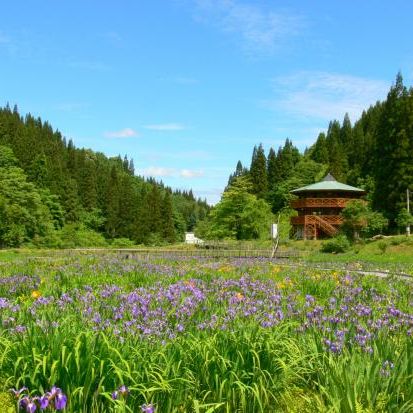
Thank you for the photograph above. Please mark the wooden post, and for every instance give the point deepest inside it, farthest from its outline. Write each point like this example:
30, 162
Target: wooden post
305, 228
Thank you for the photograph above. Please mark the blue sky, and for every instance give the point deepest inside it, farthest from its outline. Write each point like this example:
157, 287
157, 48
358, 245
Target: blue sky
187, 87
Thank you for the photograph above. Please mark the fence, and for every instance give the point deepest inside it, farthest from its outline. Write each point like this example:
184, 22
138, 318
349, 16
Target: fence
198, 253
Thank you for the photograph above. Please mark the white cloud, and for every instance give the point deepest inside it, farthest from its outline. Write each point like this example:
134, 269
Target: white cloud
157, 171
166, 127
123, 133
188, 173
212, 195
260, 29
325, 96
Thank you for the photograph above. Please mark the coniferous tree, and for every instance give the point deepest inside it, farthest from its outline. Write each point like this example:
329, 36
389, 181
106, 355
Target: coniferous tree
142, 217
131, 167
319, 152
272, 169
88, 184
154, 206
338, 164
258, 172
168, 229
288, 157
239, 171
112, 204
346, 132
39, 171
393, 152
127, 198
70, 201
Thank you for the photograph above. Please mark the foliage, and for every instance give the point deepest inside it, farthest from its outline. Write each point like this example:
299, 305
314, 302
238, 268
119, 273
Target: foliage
382, 246
79, 186
338, 244
23, 215
404, 219
258, 172
359, 219
240, 214
395, 146
74, 235
122, 243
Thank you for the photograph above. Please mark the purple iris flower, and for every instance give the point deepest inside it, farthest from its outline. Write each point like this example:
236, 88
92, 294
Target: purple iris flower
44, 401
148, 408
28, 404
17, 393
24, 401
54, 391
123, 390
60, 401
31, 407
115, 395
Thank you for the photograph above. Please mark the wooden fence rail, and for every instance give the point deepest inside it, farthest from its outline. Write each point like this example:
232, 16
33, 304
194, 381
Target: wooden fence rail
196, 253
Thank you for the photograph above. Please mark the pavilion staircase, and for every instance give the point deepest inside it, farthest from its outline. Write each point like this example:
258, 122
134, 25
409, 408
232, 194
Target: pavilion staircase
315, 221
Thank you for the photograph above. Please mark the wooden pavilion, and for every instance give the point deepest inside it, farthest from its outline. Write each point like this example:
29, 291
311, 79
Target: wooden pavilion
319, 206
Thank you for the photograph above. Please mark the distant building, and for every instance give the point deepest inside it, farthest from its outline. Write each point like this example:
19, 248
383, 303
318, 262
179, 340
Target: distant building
319, 206
190, 238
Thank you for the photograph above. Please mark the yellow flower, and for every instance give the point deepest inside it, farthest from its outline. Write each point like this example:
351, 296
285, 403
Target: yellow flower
276, 269
36, 294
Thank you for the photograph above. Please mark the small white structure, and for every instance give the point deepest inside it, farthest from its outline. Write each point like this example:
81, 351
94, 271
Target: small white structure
274, 231
190, 238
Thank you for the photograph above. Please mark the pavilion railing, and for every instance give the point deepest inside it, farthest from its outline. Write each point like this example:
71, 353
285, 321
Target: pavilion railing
320, 203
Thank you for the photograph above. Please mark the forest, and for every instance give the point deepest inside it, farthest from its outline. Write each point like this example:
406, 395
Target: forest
376, 154
56, 195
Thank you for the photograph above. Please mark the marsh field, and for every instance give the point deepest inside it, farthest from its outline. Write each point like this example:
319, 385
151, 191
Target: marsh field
113, 332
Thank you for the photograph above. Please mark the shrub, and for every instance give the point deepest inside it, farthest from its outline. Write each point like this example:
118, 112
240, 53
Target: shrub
73, 235
336, 245
382, 246
122, 243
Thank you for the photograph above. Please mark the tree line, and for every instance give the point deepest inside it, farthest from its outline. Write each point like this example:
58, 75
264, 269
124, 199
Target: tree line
376, 154
54, 194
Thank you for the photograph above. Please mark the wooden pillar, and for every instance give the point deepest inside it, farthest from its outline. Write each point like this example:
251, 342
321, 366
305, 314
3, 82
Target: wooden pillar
305, 228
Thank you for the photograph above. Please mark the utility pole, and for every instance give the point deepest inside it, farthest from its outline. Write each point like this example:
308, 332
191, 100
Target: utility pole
408, 211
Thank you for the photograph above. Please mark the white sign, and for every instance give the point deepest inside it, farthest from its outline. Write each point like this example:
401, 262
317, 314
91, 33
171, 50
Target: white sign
274, 231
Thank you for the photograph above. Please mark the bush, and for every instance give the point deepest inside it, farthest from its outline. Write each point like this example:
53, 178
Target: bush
336, 245
122, 243
396, 241
73, 236
382, 246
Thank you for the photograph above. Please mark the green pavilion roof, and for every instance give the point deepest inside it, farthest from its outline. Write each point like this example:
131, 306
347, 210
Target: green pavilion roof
329, 183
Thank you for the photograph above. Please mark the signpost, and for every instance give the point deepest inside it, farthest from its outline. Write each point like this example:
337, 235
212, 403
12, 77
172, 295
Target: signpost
275, 236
